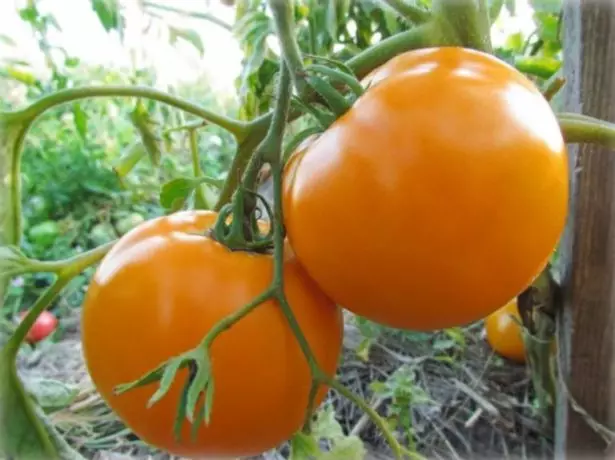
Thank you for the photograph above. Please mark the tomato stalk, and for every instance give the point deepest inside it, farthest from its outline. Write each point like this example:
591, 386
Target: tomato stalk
463, 23
578, 128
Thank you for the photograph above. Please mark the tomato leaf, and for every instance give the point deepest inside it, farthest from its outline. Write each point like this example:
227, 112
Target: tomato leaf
49, 393
188, 35
145, 125
81, 120
303, 446
108, 13
25, 433
345, 448
129, 159
176, 192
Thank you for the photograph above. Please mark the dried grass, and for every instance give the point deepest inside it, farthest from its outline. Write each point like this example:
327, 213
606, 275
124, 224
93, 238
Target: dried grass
476, 406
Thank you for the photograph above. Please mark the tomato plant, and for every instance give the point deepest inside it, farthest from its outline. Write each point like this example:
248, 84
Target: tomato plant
426, 200
437, 197
504, 332
44, 326
159, 291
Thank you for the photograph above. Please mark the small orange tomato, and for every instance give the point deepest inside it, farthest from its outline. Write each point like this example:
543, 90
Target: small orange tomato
44, 325
158, 292
504, 334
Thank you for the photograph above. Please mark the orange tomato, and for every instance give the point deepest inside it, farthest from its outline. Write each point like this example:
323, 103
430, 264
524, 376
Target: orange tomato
159, 291
437, 197
504, 335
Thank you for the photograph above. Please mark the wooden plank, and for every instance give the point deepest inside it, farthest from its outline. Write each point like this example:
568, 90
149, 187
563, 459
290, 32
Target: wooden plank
587, 320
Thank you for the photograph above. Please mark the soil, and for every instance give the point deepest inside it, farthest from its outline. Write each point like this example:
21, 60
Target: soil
465, 402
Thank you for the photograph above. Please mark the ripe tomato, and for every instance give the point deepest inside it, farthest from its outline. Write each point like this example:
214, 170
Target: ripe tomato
159, 291
504, 335
437, 197
44, 325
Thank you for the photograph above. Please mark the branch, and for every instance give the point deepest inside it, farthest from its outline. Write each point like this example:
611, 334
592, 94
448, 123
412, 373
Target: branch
193, 14
236, 127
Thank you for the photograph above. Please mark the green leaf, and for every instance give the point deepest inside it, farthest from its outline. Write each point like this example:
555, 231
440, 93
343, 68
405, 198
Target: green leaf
71, 62
81, 120
548, 26
303, 446
515, 42
188, 35
29, 14
176, 192
542, 67
146, 126
326, 426
108, 13
348, 447
49, 393
19, 75
7, 40
129, 159
331, 19
21, 435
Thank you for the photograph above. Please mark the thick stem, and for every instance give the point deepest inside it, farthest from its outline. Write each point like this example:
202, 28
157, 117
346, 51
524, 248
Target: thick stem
374, 56
361, 65
284, 24
578, 128
237, 128
464, 23
407, 11
193, 14
12, 134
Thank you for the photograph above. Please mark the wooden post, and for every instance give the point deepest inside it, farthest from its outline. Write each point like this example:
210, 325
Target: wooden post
587, 317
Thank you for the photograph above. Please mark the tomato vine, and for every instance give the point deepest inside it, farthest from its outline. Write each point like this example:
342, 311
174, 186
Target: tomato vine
260, 141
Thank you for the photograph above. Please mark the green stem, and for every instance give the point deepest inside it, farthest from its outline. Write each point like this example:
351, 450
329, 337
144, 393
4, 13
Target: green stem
282, 11
66, 271
365, 407
578, 128
237, 128
407, 11
193, 14
361, 64
200, 200
374, 56
335, 74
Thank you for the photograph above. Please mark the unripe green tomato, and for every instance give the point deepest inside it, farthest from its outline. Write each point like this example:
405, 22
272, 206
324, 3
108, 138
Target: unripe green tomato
44, 234
125, 224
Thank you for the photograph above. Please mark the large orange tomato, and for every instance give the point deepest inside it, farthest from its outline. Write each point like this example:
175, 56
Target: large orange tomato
504, 334
159, 291
437, 197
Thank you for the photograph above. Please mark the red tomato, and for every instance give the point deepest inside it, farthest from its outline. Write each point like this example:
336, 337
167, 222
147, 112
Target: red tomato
159, 291
437, 197
44, 325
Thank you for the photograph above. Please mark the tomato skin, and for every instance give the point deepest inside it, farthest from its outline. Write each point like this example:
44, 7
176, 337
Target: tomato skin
44, 325
158, 292
504, 335
437, 197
